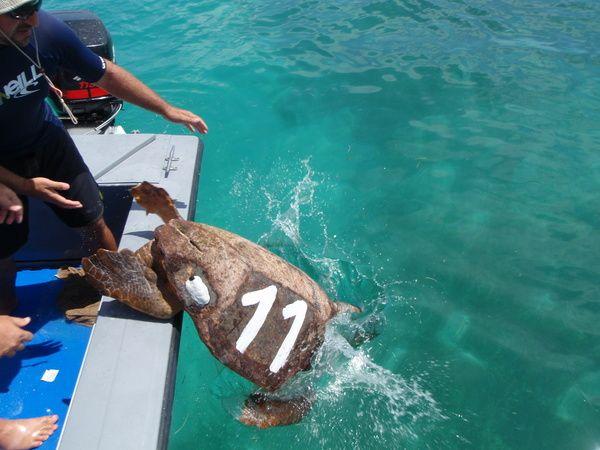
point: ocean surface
(436, 163)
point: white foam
(391, 408)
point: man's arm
(12, 180)
(42, 188)
(123, 84)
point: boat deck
(114, 388)
(57, 345)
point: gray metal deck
(125, 388)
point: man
(21, 433)
(37, 156)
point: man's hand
(11, 208)
(187, 118)
(12, 335)
(47, 190)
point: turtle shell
(265, 318)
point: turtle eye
(198, 291)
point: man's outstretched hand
(48, 191)
(11, 208)
(187, 118)
(12, 335)
(121, 83)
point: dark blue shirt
(25, 118)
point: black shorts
(59, 160)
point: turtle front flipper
(265, 411)
(123, 276)
(155, 200)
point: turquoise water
(435, 162)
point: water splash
(356, 402)
(288, 210)
(303, 195)
(387, 407)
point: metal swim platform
(124, 392)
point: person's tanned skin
(23, 434)
(13, 336)
(120, 83)
(19, 31)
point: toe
(51, 419)
(44, 434)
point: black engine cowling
(89, 103)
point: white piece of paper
(50, 375)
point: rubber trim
(171, 376)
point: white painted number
(265, 299)
(297, 310)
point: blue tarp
(57, 345)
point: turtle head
(180, 265)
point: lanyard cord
(38, 64)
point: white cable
(107, 121)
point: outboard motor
(91, 105)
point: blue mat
(57, 345)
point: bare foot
(24, 434)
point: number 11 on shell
(265, 299)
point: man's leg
(98, 235)
(8, 295)
(63, 162)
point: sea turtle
(258, 314)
